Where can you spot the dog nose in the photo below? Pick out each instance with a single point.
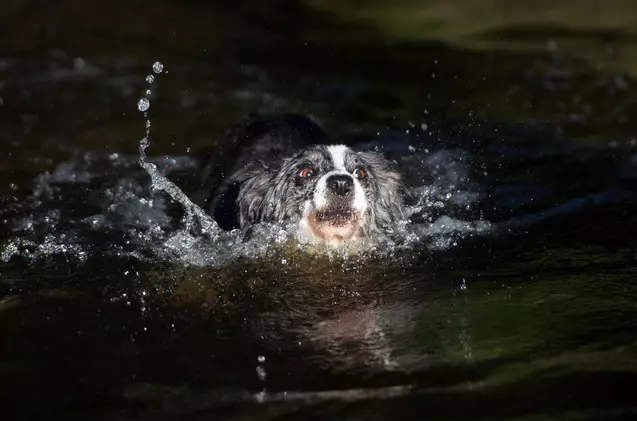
(340, 185)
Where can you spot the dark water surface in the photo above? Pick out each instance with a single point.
(511, 295)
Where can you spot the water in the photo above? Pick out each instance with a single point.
(144, 104)
(509, 295)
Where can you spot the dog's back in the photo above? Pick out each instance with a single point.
(254, 140)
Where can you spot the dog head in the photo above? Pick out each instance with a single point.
(335, 193)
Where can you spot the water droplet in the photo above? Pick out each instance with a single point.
(150, 78)
(261, 374)
(79, 63)
(463, 286)
(261, 358)
(148, 92)
(148, 124)
(423, 126)
(143, 144)
(143, 104)
(158, 67)
(260, 396)
(551, 45)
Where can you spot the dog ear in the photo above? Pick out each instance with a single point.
(389, 185)
(252, 194)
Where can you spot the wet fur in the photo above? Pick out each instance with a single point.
(263, 185)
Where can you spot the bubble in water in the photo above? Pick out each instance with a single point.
(148, 124)
(148, 92)
(158, 67)
(261, 358)
(143, 104)
(150, 78)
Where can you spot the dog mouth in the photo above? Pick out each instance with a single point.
(337, 218)
(334, 224)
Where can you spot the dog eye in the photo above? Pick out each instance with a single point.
(360, 173)
(306, 173)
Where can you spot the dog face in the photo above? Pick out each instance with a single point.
(335, 193)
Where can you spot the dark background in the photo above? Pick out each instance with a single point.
(534, 101)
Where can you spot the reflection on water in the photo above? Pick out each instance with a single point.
(509, 294)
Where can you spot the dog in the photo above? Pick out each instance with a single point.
(288, 169)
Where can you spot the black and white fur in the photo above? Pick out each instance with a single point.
(288, 170)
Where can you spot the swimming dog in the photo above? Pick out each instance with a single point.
(288, 169)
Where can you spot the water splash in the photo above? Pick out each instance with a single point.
(132, 198)
(195, 220)
(129, 208)
(94, 204)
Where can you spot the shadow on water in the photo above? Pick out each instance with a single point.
(510, 296)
